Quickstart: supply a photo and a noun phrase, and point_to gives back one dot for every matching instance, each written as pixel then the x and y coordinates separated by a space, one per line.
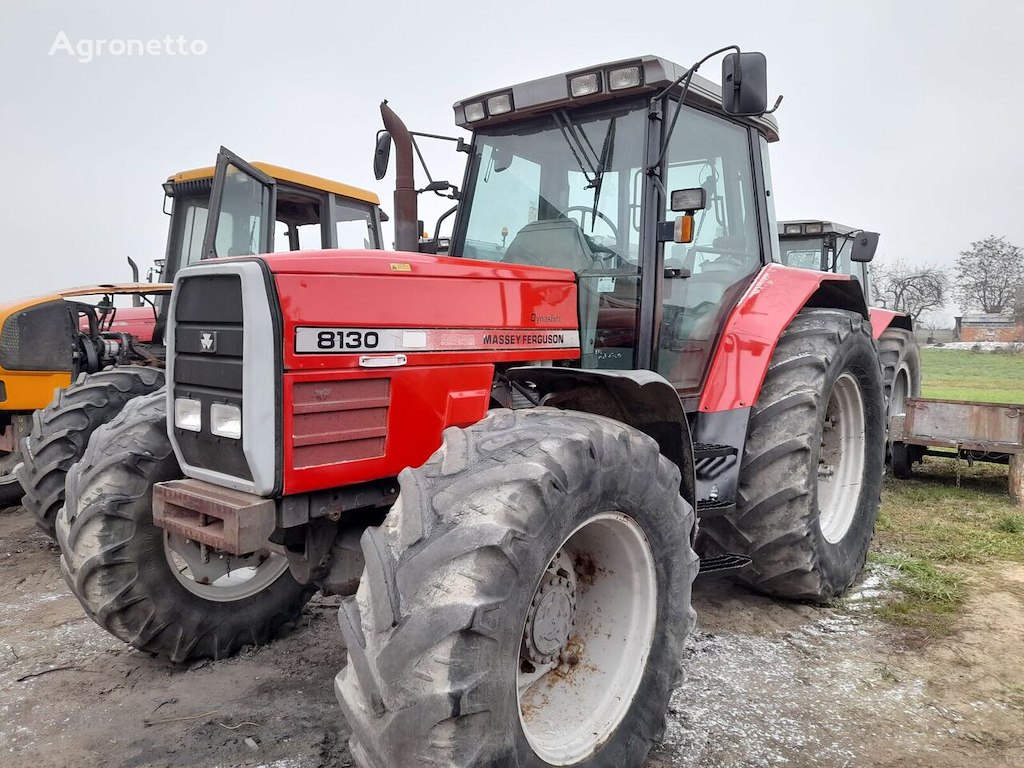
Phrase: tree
pixel 989 275
pixel 908 288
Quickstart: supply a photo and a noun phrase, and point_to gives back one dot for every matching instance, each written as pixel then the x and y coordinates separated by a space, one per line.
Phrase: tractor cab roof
pixel 601 82
pixel 186 180
pixel 801 227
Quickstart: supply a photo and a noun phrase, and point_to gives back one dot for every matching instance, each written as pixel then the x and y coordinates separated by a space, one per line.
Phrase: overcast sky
pixel 901 117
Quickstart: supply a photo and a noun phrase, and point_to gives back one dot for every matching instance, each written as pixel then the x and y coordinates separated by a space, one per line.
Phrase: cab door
pixel 242 205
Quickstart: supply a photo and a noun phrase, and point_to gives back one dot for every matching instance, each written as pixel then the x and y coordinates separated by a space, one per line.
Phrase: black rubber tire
pixel 61 431
pixel 776 521
pixel 902 461
pixel 434 630
pixel 113 555
pixel 898 350
pixel 10 488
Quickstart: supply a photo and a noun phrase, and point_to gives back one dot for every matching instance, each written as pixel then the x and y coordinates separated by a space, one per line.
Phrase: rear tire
pixel 122 570
pixel 61 431
pixel 900 358
pixel 807 535
pixel 482 534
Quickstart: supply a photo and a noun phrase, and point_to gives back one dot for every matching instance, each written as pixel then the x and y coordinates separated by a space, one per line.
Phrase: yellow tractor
pixel 113 353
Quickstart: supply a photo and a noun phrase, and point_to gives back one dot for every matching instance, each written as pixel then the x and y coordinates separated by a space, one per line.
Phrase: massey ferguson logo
pixel 208 341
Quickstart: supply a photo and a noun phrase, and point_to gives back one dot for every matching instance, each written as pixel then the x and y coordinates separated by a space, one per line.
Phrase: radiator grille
pixel 336 421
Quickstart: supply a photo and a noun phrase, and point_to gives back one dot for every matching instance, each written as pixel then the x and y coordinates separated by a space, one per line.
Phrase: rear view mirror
pixel 745 84
pixel 864 246
pixel 382 155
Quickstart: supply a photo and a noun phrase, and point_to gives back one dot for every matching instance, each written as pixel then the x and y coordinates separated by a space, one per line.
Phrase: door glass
pixel 712 153
pixel 245 202
pixel 354 224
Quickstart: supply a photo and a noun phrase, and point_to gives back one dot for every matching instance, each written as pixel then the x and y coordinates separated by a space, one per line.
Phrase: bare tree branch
pixel 989 275
pixel 913 289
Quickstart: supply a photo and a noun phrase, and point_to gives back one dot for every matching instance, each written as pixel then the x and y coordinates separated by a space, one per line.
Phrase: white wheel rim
pixel 900 391
pixel 841 461
pixel 568 710
pixel 229 577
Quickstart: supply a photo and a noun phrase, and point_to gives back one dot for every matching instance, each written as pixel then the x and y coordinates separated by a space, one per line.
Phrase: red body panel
pixel 136 321
pixel 340 432
pixel 881 319
pixel 751 332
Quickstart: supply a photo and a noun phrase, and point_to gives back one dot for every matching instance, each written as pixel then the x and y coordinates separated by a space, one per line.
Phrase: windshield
pixel 803 252
pixel 555 192
pixel 563 191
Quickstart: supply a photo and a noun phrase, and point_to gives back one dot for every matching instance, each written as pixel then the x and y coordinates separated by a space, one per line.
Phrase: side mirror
pixel 382 155
pixel 501 160
pixel 745 84
pixel 864 246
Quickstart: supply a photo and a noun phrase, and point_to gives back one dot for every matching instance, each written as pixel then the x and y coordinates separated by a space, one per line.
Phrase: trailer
pixel 974 431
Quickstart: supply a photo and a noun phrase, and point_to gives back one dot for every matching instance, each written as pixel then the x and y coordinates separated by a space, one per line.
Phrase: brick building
pixel 989 327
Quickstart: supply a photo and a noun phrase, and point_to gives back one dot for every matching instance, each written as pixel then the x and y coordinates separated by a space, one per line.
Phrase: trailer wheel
pixel 811 473
pixel 160 593
pixel 61 431
pixel 902 461
pixel 525 603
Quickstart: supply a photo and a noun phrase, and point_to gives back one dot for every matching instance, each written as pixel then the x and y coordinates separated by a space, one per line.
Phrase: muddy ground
pixel 768 684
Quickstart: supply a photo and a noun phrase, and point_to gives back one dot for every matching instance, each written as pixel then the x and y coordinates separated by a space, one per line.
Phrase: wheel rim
pixel 841 461
pixel 586 639
pixel 219 576
pixel 900 391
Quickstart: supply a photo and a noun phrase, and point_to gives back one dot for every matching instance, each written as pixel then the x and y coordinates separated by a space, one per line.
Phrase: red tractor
pixel 506 458
pixel 827 246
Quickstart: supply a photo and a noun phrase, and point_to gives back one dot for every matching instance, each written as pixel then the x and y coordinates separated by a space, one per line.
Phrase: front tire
pixel 148 588
pixel 525 603
pixel 811 473
pixel 61 431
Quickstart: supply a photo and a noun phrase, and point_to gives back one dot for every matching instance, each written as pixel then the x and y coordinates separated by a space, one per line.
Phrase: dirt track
pixel 768 684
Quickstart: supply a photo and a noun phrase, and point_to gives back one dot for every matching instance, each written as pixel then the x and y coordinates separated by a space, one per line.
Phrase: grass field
pixel 950 521
pixel 965 375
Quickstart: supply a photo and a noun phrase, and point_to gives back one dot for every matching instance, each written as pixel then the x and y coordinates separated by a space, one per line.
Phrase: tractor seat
pixel 555 243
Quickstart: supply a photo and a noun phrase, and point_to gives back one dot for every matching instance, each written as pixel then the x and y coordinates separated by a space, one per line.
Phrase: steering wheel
pixel 583 209
pixel 614 259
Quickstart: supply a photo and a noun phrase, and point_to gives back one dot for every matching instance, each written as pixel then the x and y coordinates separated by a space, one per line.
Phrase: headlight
pixel 627 77
pixel 188 414
pixel 226 420
pixel 500 104
pixel 475 112
pixel 584 85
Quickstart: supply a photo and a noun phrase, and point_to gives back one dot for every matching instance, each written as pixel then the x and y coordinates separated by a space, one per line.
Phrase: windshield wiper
pixel 595 168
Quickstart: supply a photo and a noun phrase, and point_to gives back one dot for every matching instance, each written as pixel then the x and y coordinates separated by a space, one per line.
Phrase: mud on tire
pixel 61 431
pixel 116 562
pixel 778 520
pixel 435 632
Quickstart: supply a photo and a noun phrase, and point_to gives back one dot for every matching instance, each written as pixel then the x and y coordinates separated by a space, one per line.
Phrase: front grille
pixel 40 338
pixel 337 421
pixel 208 365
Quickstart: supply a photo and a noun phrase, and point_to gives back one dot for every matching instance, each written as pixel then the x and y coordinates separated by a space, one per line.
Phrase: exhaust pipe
pixel 407 233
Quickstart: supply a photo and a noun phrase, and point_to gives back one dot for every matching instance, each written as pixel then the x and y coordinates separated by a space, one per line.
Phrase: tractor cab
pixel 827 247
pixel 309 212
pixel 580 170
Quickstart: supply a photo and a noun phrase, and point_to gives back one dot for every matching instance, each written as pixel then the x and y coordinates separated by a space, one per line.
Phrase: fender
pixel 881 319
pixel 642 399
pixel 755 324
